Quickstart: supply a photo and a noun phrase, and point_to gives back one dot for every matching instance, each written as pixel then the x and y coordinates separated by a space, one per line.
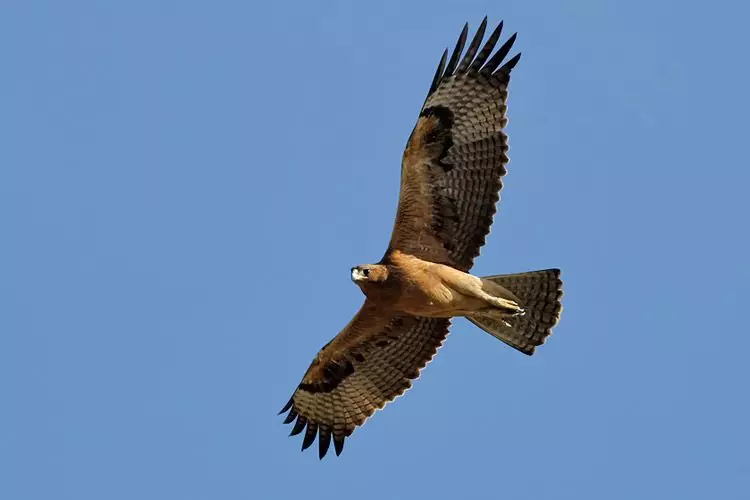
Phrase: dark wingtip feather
pixel 338 444
pixel 324 441
pixel 473 47
pixel 510 64
pixel 292 415
pixel 487 49
pixel 310 433
pixel 287 406
pixel 457 51
pixel 439 73
pixel 496 59
pixel 298 425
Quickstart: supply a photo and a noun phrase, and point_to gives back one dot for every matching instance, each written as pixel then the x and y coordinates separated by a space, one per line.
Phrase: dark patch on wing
pixel 441 131
pixel 333 373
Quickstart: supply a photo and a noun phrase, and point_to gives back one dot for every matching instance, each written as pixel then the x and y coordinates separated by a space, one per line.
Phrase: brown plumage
pixel 451 175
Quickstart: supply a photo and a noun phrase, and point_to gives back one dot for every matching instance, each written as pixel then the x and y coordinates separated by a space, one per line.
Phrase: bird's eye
pixel 366 272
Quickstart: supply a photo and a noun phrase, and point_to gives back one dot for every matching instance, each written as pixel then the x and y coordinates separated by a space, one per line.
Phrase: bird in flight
pixel 451 175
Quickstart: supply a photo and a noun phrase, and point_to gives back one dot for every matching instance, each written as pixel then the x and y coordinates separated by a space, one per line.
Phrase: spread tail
pixel 539 294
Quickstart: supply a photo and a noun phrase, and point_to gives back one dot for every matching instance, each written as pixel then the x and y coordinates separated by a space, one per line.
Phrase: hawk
pixel 451 175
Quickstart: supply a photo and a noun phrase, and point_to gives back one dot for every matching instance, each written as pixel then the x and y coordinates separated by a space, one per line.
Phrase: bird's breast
pixel 420 289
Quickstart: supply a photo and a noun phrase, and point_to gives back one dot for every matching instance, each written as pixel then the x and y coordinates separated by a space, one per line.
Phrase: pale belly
pixel 438 310
pixel 434 297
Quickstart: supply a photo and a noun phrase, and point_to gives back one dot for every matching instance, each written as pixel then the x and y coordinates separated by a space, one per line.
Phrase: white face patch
pixel 357 275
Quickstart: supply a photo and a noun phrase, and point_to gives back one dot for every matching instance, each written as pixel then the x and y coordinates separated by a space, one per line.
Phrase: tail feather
pixel 540 294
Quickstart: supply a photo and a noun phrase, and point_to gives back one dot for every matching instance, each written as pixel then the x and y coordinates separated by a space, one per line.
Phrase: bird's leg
pixel 488 293
pixel 510 307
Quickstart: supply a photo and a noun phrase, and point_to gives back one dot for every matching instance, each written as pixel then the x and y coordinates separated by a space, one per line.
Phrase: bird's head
pixel 369 274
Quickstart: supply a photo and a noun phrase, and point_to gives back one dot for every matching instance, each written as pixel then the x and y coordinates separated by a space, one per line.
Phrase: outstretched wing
pixel 371 362
pixel 456 155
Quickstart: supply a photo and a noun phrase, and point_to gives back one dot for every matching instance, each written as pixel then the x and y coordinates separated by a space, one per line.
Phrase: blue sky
pixel 185 185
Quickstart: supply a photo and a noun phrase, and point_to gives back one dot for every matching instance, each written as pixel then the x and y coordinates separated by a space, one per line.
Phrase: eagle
pixel 451 175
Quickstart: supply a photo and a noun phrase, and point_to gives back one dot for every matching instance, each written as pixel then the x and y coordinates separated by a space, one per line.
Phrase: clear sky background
pixel 185 185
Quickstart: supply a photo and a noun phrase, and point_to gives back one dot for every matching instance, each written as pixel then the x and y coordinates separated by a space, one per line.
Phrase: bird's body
pixel 451 174
pixel 421 288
